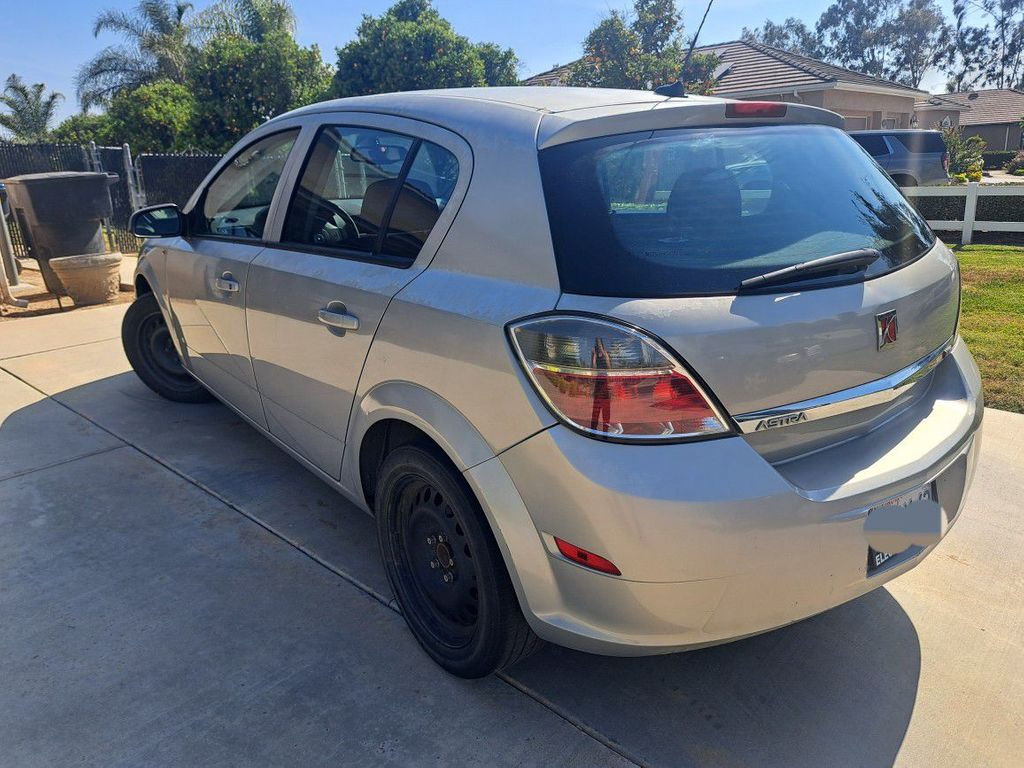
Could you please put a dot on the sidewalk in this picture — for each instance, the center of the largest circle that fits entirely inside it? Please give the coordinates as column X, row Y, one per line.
column 177, row 591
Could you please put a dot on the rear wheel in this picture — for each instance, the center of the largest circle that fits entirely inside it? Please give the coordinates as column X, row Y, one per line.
column 445, row 567
column 150, row 350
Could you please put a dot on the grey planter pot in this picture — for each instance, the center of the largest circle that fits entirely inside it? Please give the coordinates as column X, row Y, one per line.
column 90, row 278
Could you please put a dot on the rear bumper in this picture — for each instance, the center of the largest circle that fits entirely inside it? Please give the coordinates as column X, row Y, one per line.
column 714, row 543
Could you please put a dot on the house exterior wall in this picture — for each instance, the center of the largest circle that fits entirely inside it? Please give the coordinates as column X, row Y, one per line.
column 862, row 110
column 870, row 110
column 928, row 119
column 997, row 135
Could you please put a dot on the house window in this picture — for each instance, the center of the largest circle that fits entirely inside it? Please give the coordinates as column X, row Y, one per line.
column 856, row 123
column 889, row 122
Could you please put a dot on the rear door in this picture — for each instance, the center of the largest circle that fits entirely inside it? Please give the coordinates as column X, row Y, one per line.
column 207, row 269
column 368, row 210
column 667, row 251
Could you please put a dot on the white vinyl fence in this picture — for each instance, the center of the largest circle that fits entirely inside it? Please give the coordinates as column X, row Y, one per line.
column 971, row 191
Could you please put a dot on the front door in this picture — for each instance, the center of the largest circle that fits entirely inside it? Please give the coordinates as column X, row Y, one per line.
column 207, row 270
column 363, row 207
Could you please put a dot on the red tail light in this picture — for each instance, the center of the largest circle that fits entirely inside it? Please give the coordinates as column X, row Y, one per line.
column 755, row 109
column 611, row 381
column 585, row 558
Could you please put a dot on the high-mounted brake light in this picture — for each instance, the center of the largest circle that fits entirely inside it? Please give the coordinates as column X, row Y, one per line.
column 611, row 381
column 755, row 109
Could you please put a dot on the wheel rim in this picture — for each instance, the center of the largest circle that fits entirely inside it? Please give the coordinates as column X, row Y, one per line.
column 157, row 349
column 437, row 567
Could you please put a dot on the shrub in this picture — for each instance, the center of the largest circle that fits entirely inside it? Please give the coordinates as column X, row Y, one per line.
column 998, row 158
column 1016, row 163
column 965, row 154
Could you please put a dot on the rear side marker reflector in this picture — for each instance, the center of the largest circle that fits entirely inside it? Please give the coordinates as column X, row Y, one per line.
column 755, row 109
column 586, row 559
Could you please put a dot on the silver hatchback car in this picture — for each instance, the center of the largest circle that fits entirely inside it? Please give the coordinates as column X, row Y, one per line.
column 628, row 373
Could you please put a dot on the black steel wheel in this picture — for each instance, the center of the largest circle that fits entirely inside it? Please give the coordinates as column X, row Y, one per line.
column 150, row 350
column 445, row 567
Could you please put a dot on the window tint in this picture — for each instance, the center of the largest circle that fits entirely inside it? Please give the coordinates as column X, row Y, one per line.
column 874, row 143
column 370, row 191
column 697, row 211
column 237, row 201
column 925, row 141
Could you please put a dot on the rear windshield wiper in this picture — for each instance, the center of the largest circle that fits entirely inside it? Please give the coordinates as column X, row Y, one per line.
column 840, row 263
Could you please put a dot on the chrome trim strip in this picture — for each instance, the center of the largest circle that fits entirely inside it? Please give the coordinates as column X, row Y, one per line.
column 872, row 393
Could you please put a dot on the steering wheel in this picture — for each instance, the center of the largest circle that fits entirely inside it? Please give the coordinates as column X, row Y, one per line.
column 326, row 206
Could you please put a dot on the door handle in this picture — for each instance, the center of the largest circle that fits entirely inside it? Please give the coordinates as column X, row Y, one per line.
column 342, row 320
column 226, row 283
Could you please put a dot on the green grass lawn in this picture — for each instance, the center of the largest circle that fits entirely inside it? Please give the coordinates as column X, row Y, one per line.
column 992, row 319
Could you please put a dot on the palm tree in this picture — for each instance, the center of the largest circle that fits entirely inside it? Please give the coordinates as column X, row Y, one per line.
column 253, row 20
column 31, row 109
column 158, row 38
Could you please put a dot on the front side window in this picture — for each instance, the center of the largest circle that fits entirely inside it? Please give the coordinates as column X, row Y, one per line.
column 369, row 191
column 237, row 201
column 697, row 211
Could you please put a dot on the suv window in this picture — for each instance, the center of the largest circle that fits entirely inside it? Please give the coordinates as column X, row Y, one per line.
column 237, row 201
column 874, row 143
column 370, row 191
column 923, row 142
column 696, row 211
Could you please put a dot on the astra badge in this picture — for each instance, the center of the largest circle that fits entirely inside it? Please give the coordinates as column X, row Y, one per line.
column 885, row 324
column 780, row 421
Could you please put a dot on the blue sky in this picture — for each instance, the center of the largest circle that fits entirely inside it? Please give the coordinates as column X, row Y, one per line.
column 47, row 40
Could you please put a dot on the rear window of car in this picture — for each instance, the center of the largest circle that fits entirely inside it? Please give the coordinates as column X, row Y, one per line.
column 697, row 211
column 874, row 143
column 923, row 142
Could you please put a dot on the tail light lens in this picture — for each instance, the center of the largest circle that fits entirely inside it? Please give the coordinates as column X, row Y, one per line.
column 611, row 381
column 755, row 109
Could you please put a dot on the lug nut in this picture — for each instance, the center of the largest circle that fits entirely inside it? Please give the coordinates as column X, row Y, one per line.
column 435, row 564
column 448, row 577
column 431, row 540
column 440, row 538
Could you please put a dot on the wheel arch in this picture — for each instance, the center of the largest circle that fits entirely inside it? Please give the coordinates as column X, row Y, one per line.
column 398, row 413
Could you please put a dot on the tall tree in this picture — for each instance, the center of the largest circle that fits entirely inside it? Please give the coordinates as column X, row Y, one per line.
column 967, row 58
column 159, row 37
column 790, row 35
column 641, row 51
column 253, row 20
column 858, row 34
column 1003, row 67
column 411, row 47
column 30, row 109
column 920, row 40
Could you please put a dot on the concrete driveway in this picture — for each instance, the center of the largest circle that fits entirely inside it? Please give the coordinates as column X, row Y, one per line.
column 176, row 591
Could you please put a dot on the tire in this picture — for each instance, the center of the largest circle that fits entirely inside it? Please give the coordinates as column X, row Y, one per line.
column 150, row 350
column 430, row 528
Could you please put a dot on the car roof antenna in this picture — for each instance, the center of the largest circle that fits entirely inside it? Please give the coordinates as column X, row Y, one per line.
column 678, row 88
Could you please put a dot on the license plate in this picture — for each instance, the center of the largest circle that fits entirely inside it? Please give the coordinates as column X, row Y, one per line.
column 877, row 559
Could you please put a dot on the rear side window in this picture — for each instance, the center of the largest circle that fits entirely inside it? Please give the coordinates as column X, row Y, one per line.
column 874, row 143
column 923, row 142
column 696, row 211
column 369, row 191
column 237, row 201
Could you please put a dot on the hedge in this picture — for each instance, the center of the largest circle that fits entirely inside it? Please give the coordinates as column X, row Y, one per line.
column 996, row 160
column 990, row 208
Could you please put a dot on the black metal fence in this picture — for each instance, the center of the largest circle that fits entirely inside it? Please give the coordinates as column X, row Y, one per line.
column 148, row 179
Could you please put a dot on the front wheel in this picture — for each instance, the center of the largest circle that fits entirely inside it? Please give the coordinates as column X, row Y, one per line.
column 445, row 568
column 150, row 350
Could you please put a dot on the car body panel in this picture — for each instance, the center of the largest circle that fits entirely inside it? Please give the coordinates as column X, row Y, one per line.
column 900, row 162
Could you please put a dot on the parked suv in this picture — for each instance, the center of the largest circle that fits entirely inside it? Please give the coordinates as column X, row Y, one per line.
column 619, row 371
column 910, row 157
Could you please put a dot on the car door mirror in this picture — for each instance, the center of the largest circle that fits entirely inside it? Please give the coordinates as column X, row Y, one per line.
column 157, row 221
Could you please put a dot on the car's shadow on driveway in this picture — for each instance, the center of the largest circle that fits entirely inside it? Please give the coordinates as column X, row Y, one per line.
column 838, row 689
